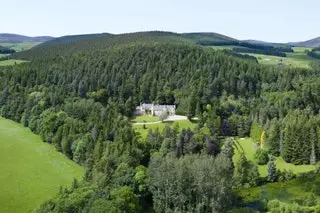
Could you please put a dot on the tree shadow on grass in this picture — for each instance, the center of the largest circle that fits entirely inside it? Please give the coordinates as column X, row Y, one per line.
column 168, row 122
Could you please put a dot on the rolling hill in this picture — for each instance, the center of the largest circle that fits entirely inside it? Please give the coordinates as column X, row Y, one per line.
column 15, row 38
column 315, row 42
column 69, row 45
column 210, row 38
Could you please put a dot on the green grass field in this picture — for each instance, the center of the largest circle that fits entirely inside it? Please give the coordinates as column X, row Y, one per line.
column 20, row 46
column 145, row 119
column 301, row 49
column 31, row 170
column 298, row 58
column 293, row 59
column 11, row 62
column 249, row 148
column 183, row 124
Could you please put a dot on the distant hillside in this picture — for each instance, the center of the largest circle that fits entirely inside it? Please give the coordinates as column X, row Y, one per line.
column 73, row 38
column 309, row 43
column 15, row 38
column 69, row 45
column 210, row 38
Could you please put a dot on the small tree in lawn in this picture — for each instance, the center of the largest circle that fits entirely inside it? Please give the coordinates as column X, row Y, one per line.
column 271, row 170
column 164, row 115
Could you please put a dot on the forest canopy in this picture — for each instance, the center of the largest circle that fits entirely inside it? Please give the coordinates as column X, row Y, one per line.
column 81, row 101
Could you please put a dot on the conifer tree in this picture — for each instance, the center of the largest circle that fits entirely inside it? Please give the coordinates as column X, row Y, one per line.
column 271, row 170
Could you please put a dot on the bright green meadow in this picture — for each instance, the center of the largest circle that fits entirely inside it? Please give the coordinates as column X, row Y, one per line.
column 20, row 46
column 11, row 62
column 31, row 171
column 249, row 148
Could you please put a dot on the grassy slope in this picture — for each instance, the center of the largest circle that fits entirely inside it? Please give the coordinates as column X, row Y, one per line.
column 292, row 59
column 249, row 148
column 31, row 171
column 182, row 124
column 20, row 46
column 11, row 62
column 296, row 59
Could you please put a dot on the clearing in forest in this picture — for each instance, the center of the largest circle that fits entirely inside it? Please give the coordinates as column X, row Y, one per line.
column 249, row 148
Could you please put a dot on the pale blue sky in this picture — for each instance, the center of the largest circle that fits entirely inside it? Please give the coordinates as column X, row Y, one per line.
column 272, row 20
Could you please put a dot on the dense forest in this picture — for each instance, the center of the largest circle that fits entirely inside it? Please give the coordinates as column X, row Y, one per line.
column 81, row 103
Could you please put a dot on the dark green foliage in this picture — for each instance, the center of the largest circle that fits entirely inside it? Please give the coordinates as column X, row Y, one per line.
column 300, row 144
column 256, row 132
column 261, row 156
column 228, row 148
column 170, row 181
column 6, row 50
column 314, row 53
column 246, row 173
column 272, row 140
column 272, row 174
column 285, row 175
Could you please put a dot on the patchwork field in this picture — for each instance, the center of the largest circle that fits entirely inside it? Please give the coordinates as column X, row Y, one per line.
column 31, row 170
column 296, row 59
column 249, row 148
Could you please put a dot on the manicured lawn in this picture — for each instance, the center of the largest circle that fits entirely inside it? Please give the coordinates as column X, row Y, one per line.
column 182, row 124
column 11, row 62
column 31, row 170
column 145, row 119
column 249, row 148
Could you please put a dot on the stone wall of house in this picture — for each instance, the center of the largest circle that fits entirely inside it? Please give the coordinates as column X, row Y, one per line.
column 155, row 110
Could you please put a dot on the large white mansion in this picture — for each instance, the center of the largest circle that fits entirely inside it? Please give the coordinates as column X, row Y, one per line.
column 155, row 110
